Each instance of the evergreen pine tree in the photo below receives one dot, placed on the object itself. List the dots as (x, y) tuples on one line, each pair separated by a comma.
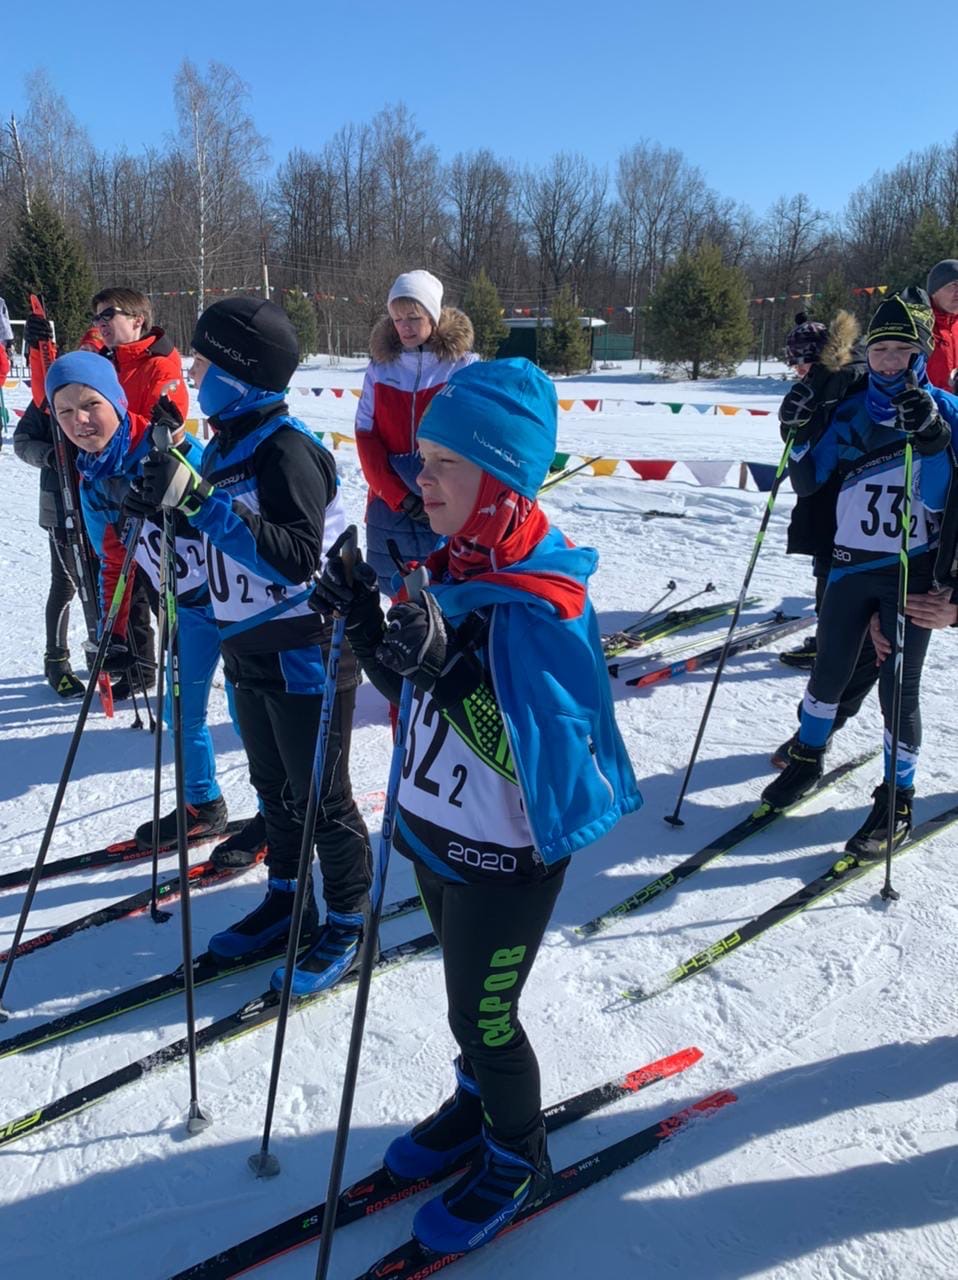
[(484, 309), (698, 315), (302, 313), (45, 258), (931, 240), (564, 345)]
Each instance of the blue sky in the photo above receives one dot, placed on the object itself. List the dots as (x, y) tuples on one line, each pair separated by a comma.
[(767, 98)]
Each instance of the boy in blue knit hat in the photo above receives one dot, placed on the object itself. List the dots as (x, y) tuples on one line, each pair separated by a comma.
[(91, 408), (514, 763)]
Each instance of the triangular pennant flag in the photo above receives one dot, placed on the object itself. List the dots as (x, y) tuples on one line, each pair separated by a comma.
[(708, 473), (674, 405), (651, 468), (357, 391), (763, 473), (646, 403), (191, 424), (560, 462), (339, 439), (337, 392), (730, 409), (883, 288), (317, 391), (305, 391), (19, 412), (566, 404), (604, 466), (592, 404), (702, 408), (870, 289), (10, 383), (759, 413)]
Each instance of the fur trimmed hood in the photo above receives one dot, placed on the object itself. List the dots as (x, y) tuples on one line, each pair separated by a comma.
[(839, 350), (452, 340)]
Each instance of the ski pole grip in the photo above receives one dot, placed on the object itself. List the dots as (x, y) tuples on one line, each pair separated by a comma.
[(348, 553)]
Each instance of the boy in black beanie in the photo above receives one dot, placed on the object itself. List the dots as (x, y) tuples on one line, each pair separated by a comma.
[(268, 505)]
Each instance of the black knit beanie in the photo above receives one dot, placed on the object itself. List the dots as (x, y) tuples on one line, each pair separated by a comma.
[(250, 338), (901, 319)]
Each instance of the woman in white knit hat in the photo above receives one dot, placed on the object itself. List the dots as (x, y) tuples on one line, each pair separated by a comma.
[(414, 349)]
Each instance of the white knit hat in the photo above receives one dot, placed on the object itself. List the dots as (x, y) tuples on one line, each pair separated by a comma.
[(422, 287)]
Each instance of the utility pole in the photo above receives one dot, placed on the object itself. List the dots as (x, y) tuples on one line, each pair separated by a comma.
[(262, 258)]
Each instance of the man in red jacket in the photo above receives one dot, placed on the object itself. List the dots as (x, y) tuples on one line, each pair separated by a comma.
[(943, 291), (147, 366)]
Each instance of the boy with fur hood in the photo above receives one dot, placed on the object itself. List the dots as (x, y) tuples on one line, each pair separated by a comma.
[(864, 445), (830, 364), (415, 349), (514, 763)]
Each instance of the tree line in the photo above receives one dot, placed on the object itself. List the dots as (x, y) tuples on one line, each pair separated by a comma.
[(206, 211)]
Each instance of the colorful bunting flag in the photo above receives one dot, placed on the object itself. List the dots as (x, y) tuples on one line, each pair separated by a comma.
[(708, 473), (651, 468), (763, 473)]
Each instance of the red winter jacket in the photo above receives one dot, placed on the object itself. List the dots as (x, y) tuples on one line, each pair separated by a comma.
[(943, 361), (145, 368), (397, 388)]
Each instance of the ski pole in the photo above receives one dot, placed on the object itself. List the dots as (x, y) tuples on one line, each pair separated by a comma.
[(888, 893), (414, 585), (651, 617), (263, 1163), (133, 673), (129, 545), (156, 915), (197, 1119), (673, 818)]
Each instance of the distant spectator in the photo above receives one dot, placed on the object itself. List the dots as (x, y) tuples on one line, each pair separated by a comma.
[(943, 291)]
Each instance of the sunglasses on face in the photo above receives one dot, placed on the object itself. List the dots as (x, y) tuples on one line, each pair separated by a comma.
[(107, 314)]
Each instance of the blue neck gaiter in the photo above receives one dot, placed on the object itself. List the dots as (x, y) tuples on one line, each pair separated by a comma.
[(109, 461), (222, 396), (881, 389)]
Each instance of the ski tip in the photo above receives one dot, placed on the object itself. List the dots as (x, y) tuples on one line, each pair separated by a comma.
[(670, 1065)]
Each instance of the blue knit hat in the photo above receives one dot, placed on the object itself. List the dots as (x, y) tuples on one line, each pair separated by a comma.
[(501, 415), (90, 370)]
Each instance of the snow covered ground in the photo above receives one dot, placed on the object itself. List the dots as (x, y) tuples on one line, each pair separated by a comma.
[(838, 1031)]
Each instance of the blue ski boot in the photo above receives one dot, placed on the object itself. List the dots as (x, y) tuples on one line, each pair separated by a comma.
[(334, 954), (502, 1181), (444, 1141), (269, 923)]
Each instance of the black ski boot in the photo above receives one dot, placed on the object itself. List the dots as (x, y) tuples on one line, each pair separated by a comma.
[(871, 838), (60, 675), (803, 655), (243, 847), (803, 770), (201, 820)]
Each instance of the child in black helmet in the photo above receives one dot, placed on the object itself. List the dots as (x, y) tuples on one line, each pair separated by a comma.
[(268, 505)]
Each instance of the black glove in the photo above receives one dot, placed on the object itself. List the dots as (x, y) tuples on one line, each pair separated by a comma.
[(37, 329), (350, 592), (797, 413), (412, 506), (416, 642), (165, 421), (167, 480), (118, 659), (917, 415)]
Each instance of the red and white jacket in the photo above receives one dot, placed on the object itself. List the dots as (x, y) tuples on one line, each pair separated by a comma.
[(396, 390), (943, 361)]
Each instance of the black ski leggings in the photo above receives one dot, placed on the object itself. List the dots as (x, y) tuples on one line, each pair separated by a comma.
[(864, 677), (63, 588), (279, 734), (847, 607), (490, 935)]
